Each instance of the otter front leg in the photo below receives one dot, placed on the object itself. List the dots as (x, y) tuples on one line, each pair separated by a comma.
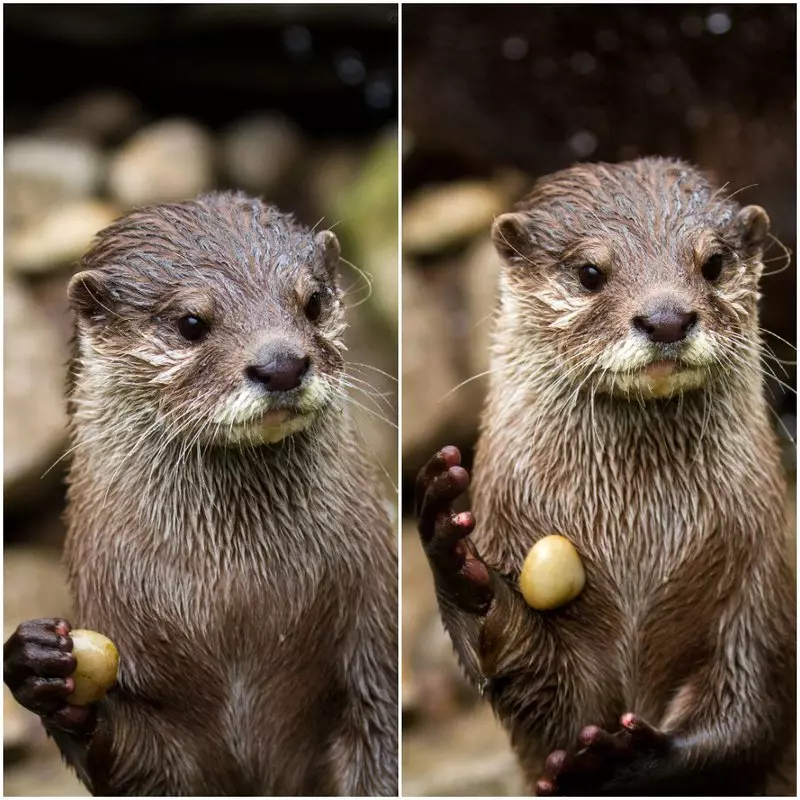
[(641, 760), (37, 668), (495, 633)]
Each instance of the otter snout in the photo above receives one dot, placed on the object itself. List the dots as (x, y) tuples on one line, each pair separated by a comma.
[(666, 325), (278, 368)]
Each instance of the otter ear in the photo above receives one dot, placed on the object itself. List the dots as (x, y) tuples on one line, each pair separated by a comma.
[(328, 244), (89, 297), (513, 239), (754, 226)]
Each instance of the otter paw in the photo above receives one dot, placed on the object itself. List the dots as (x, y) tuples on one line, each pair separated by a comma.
[(604, 760), (457, 567), (37, 665)]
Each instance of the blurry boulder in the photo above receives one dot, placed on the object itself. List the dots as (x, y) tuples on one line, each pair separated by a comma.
[(467, 756), (482, 271), (366, 212), (100, 116), (439, 217), (260, 151), (57, 237), (170, 160), (330, 171), (42, 172), (34, 418), (429, 365)]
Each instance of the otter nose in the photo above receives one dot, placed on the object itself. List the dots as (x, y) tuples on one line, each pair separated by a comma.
[(278, 371), (666, 325)]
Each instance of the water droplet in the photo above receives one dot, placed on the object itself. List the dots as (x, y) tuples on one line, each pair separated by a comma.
[(379, 92), (718, 22), (515, 48), (583, 63), (349, 67), (297, 40), (583, 143)]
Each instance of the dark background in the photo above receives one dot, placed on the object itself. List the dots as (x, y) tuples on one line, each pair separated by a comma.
[(332, 69)]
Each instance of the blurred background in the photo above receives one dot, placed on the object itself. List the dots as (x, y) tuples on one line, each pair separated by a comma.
[(493, 97), (113, 106)]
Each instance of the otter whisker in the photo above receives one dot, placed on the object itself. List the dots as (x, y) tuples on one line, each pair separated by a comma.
[(364, 275), (464, 383), (370, 366)]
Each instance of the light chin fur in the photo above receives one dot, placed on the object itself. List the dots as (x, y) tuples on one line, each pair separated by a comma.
[(240, 419), (638, 385), (257, 434)]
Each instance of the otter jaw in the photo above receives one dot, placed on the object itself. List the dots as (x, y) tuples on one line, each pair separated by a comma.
[(660, 385), (249, 416), (637, 369)]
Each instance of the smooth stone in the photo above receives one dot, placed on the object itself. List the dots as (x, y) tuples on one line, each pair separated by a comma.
[(552, 574)]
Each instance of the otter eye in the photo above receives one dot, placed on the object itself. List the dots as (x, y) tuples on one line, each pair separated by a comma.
[(192, 328), (313, 308), (591, 277), (712, 269)]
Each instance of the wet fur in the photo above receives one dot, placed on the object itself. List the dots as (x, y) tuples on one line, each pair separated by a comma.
[(675, 505), (250, 588)]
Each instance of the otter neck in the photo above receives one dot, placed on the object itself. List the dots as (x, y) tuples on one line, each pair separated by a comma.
[(564, 434), (212, 498)]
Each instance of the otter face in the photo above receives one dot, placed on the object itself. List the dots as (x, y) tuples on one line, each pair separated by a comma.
[(218, 319), (635, 279)]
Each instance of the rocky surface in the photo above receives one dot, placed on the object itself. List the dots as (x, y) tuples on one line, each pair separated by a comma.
[(169, 160)]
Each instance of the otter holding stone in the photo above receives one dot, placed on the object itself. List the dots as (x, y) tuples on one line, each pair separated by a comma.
[(225, 530), (626, 413)]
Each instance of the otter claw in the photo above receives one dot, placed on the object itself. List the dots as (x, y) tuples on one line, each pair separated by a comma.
[(457, 567), (38, 663), (600, 759)]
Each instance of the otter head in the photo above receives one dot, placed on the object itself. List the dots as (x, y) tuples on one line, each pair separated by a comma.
[(214, 321), (636, 279)]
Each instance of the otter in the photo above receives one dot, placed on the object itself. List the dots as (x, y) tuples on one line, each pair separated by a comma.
[(225, 529), (625, 412)]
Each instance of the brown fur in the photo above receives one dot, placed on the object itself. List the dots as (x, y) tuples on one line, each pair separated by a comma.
[(676, 504), (250, 587)]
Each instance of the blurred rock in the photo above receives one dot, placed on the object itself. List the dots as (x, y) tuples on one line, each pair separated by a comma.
[(468, 756), (482, 274), (172, 159), (58, 237), (259, 152), (34, 585), (439, 217), (44, 775), (440, 686), (101, 116), (42, 172), (21, 729), (331, 169), (34, 419), (366, 212), (429, 371), (373, 395)]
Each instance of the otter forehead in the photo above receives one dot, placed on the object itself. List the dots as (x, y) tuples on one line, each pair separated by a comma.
[(175, 246), (651, 203)]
